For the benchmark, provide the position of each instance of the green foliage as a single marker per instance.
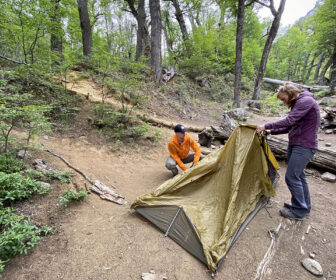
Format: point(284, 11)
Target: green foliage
point(63, 177)
point(18, 235)
point(71, 195)
point(118, 125)
point(9, 163)
point(15, 186)
point(272, 104)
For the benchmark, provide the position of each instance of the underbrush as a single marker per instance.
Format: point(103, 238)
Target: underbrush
point(116, 125)
point(18, 181)
point(31, 87)
point(71, 195)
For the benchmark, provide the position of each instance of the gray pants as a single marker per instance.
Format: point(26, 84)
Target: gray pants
point(171, 163)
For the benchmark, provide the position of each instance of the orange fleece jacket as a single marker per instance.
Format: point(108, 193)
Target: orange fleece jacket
point(178, 152)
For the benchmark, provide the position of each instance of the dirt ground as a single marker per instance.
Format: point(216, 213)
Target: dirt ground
point(101, 240)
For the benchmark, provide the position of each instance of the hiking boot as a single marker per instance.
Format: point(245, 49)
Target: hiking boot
point(287, 205)
point(289, 215)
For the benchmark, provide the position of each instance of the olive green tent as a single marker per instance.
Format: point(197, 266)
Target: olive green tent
point(205, 208)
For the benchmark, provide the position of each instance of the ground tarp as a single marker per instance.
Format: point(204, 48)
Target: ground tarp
point(205, 208)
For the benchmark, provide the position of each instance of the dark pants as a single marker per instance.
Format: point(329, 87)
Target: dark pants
point(298, 158)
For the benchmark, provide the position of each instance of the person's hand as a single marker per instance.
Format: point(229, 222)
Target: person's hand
point(260, 129)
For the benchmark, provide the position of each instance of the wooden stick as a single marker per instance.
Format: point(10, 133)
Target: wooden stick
point(70, 165)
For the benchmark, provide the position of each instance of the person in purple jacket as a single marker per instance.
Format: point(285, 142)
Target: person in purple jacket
point(302, 125)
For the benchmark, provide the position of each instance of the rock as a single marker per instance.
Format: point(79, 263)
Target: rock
point(256, 110)
point(312, 255)
point(328, 131)
point(44, 184)
point(334, 130)
point(325, 101)
point(254, 104)
point(20, 154)
point(238, 114)
point(329, 177)
point(152, 276)
point(45, 137)
point(312, 266)
point(328, 144)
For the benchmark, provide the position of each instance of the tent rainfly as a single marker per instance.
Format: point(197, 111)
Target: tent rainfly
point(205, 208)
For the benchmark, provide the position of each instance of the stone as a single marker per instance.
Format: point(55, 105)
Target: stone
point(312, 266)
point(45, 137)
point(325, 101)
point(44, 184)
point(312, 255)
point(254, 104)
point(334, 130)
point(329, 177)
point(238, 114)
point(20, 154)
point(328, 144)
point(328, 131)
point(152, 276)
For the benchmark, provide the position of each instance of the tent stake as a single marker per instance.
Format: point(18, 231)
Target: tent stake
point(172, 222)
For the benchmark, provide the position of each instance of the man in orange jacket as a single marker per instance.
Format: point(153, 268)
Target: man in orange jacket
point(179, 150)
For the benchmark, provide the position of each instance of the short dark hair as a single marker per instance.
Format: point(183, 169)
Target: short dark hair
point(179, 128)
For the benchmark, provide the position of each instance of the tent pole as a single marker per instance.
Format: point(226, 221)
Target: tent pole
point(172, 222)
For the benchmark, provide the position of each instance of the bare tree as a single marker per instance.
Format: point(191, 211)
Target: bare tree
point(56, 45)
point(324, 70)
point(180, 20)
point(333, 71)
point(85, 27)
point(239, 49)
point(311, 66)
point(304, 67)
point(143, 40)
point(272, 33)
point(318, 66)
point(156, 30)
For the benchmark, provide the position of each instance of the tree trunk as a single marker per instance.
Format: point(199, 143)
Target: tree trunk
point(239, 49)
point(165, 28)
point(304, 67)
point(156, 58)
point(85, 27)
point(272, 33)
point(311, 67)
point(180, 20)
point(318, 66)
point(324, 70)
point(333, 72)
point(56, 32)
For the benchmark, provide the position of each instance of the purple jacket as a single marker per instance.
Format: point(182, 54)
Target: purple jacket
point(302, 122)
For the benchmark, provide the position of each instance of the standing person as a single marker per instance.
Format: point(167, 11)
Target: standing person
point(179, 150)
point(302, 125)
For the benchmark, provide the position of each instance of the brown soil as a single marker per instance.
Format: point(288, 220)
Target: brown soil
point(97, 239)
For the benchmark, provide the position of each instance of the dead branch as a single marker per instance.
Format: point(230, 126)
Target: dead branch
point(70, 165)
point(12, 60)
point(104, 191)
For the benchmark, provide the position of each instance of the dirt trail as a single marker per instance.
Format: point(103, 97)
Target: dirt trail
point(102, 240)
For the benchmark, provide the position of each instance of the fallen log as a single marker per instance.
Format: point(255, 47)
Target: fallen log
point(324, 158)
point(280, 82)
point(167, 124)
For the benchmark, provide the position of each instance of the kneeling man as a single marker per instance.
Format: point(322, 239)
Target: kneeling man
point(179, 150)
